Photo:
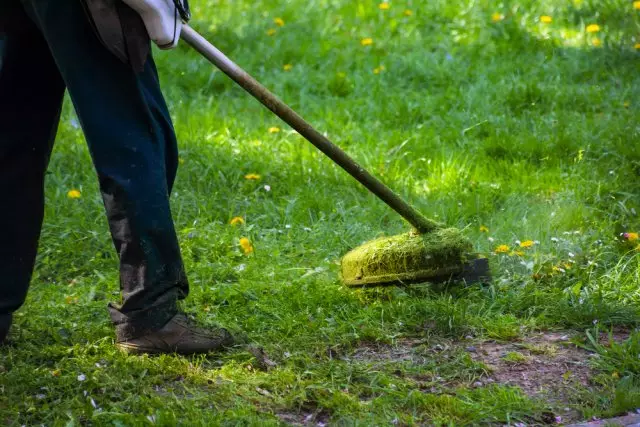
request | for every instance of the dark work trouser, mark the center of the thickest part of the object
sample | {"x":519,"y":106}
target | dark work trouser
{"x":50,"y":47}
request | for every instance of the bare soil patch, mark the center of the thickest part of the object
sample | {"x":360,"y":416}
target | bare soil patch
{"x":545,"y":365}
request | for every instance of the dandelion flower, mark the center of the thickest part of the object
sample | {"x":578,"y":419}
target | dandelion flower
{"x":502,"y":249}
{"x":74,"y":194}
{"x":636,"y":5}
{"x":637,"y":46}
{"x":593,"y":28}
{"x":367,"y":41}
{"x":497,"y":17}
{"x":408,"y":12}
{"x":287,"y":67}
{"x":384,"y":6}
{"x":379,"y":69}
{"x":546,"y":19}
{"x":484,"y":229}
{"x":252,"y":176}
{"x":236,"y":220}
{"x":279,"y":22}
{"x":527,"y":244}
{"x":596,"y":42}
{"x":274,"y":129}
{"x":271,"y":31}
{"x":246,"y":246}
{"x":630,"y":236}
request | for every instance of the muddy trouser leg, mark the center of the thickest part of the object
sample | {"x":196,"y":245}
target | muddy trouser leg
{"x":31,"y":94}
{"x":133,"y":146}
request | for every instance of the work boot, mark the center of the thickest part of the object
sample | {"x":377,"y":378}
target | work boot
{"x":5,"y":325}
{"x":180,"y":336}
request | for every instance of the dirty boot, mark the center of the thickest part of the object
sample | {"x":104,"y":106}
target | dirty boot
{"x":181,"y":336}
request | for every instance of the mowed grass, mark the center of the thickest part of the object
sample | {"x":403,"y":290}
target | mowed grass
{"x":484,"y":117}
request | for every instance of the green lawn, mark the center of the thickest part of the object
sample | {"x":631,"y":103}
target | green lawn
{"x":483,"y":116}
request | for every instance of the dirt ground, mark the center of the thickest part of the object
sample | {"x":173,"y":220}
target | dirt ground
{"x":544,"y":365}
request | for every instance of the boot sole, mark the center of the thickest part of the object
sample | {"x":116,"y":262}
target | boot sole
{"x":137,"y":350}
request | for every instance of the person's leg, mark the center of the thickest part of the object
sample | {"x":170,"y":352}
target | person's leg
{"x":31,"y":94}
{"x":133,"y":146}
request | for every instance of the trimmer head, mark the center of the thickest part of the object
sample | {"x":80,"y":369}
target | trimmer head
{"x":439,"y":256}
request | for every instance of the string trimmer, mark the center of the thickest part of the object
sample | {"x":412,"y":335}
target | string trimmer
{"x":429,"y":253}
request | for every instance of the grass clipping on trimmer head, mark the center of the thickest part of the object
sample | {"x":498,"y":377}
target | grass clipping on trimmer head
{"x":408,"y":258}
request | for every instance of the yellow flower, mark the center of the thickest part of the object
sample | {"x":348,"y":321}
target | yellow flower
{"x":252,"y":176}
{"x":546,"y":19}
{"x":74,"y":194}
{"x":630,"y":236}
{"x":596,"y":42}
{"x":271,"y":31}
{"x":527,"y":244}
{"x":384,"y":6}
{"x":56,"y":373}
{"x":626,"y":104}
{"x":274,"y":129}
{"x":502,"y":249}
{"x":593,"y":28}
{"x":484,"y":229}
{"x":497,"y":17}
{"x":287,"y":67}
{"x":379,"y":69}
{"x":246,"y":246}
{"x":408,"y":12}
{"x":637,"y":46}
{"x":279,"y":22}
{"x":636,"y":5}
{"x":367,"y":41}
{"x":236,"y":220}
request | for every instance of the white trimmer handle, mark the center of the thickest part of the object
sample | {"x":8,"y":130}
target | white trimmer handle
{"x":162,"y":20}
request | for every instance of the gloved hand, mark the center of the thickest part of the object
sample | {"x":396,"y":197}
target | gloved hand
{"x":163,"y":19}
